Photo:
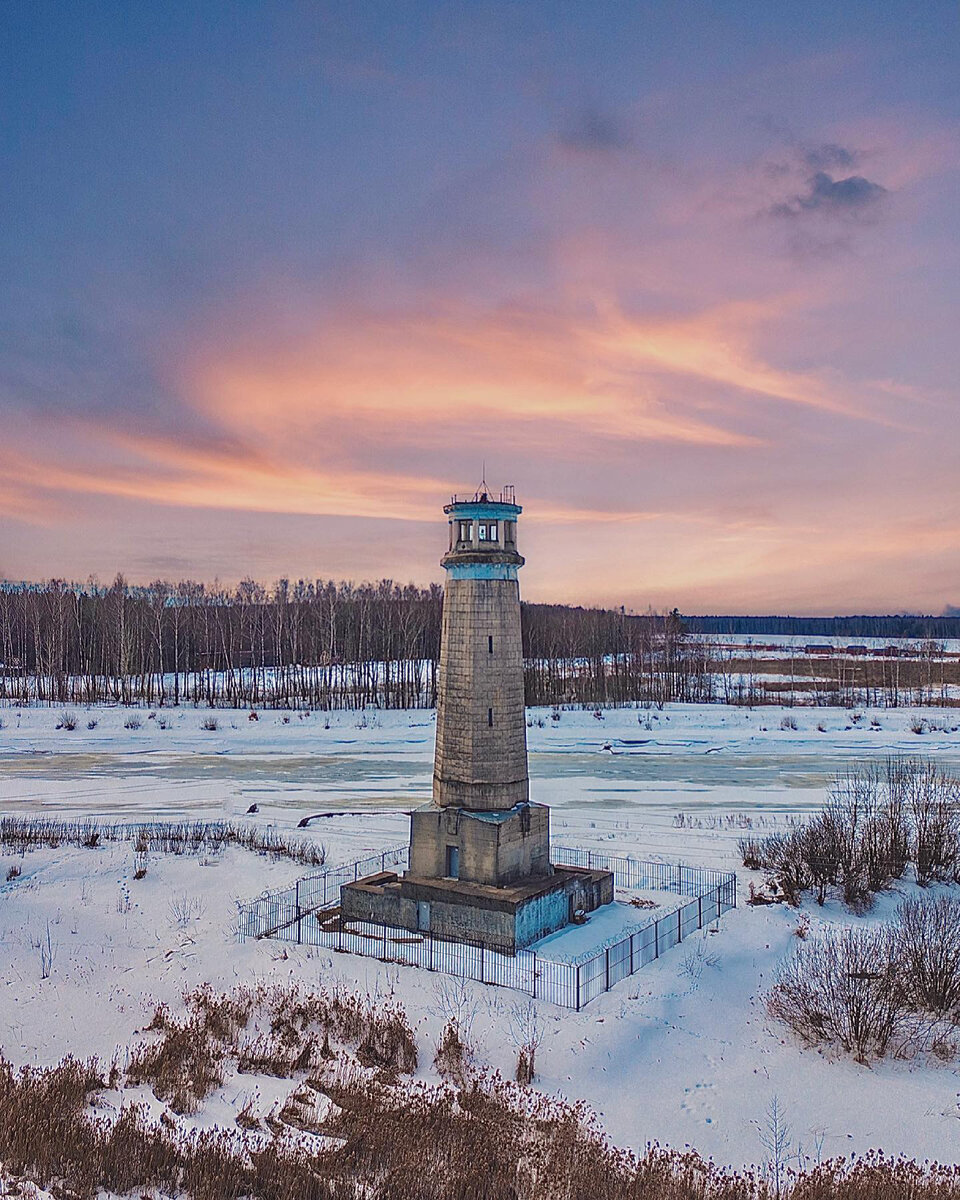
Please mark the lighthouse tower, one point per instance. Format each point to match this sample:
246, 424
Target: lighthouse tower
481, 753
481, 827
479, 866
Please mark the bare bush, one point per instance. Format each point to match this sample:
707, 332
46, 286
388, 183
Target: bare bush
927, 938
184, 910
452, 1059
46, 951
876, 822
933, 799
210, 724
527, 1029
68, 720
895, 988
841, 989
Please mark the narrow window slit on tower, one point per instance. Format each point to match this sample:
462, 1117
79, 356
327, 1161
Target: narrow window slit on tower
490, 643
490, 717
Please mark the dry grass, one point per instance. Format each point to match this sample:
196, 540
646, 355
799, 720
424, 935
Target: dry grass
384, 1135
21, 834
277, 1031
489, 1141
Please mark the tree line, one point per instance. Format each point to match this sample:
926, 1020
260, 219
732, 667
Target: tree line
879, 626
312, 644
323, 644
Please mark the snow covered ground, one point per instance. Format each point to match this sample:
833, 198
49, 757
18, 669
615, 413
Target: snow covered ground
682, 1052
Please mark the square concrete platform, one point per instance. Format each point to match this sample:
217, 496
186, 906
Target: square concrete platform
506, 918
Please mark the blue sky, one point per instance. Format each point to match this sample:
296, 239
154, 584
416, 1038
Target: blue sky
278, 277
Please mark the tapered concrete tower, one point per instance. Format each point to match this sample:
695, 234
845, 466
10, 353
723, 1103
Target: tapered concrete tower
481, 826
480, 867
481, 753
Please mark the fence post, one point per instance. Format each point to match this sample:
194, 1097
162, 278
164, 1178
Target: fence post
631, 953
679, 926
482, 980
700, 912
430, 952
578, 987
606, 969
299, 917
533, 978
656, 939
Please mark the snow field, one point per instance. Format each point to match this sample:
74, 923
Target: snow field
682, 1053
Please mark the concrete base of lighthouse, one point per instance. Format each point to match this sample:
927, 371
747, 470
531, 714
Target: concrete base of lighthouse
479, 877
498, 848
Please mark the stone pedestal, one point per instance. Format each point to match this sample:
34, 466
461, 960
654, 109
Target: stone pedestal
496, 848
505, 919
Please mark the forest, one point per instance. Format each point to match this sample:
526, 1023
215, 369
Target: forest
323, 644
310, 644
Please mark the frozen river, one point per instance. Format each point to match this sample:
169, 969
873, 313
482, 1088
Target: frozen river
637, 773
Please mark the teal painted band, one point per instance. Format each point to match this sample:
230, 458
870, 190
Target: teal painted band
482, 571
484, 511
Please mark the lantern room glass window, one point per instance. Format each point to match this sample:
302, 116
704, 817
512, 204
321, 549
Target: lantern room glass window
488, 531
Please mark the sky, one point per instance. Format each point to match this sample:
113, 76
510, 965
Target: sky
277, 278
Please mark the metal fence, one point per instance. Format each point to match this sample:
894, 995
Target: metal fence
297, 914
282, 913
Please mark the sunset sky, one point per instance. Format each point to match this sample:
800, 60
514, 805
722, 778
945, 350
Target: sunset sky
276, 278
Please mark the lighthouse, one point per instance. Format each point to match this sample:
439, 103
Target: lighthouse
479, 863
481, 827
481, 752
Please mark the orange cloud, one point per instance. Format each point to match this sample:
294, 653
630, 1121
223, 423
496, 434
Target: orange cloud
298, 427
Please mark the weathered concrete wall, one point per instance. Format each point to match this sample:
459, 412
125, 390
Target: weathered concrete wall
480, 765
523, 844
502, 919
377, 899
493, 849
588, 890
540, 916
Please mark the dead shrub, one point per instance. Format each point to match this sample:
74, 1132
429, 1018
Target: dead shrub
927, 937
841, 989
876, 822
452, 1058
